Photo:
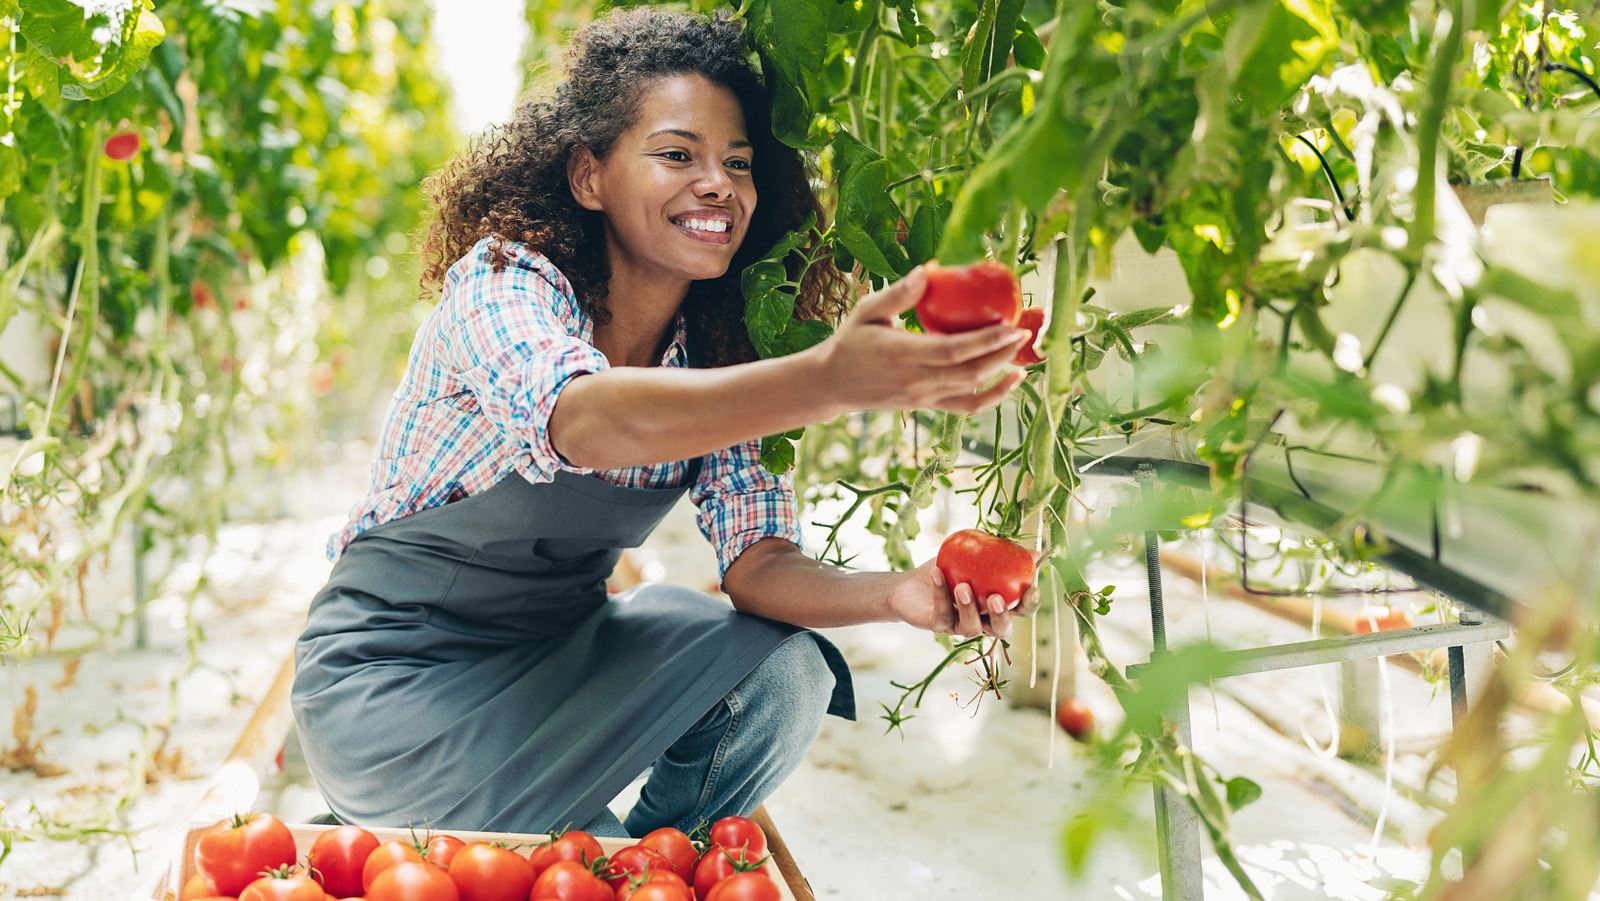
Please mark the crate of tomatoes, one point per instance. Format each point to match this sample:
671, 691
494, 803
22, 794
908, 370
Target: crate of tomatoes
256, 857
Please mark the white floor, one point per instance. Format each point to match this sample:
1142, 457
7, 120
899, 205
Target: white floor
965, 806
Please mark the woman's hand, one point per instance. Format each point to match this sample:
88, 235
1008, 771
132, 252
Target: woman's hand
873, 364
922, 599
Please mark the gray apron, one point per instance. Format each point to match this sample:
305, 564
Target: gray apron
465, 666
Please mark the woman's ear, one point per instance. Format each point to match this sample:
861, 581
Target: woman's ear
582, 176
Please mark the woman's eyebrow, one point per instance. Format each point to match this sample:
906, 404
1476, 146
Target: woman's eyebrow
692, 136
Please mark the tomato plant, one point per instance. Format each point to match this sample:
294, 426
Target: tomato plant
231, 853
337, 857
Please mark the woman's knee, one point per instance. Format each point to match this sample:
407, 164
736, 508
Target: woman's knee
795, 671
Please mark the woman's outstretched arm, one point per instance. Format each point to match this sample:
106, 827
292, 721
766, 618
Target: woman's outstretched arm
630, 416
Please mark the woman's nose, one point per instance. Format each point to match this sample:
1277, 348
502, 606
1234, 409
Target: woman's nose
714, 182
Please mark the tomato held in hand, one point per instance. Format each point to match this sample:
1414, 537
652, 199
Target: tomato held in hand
965, 298
413, 880
284, 884
337, 856
1076, 718
1383, 618
745, 887
232, 853
122, 145
739, 832
676, 847
385, 856
988, 563
1031, 319
568, 880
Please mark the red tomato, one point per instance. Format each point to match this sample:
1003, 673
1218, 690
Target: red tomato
122, 145
385, 856
659, 891
568, 880
988, 563
675, 847
1031, 319
542, 857
484, 872
964, 298
338, 855
739, 832
441, 849
232, 853
1384, 618
718, 864
634, 860
284, 885
655, 877
413, 880
197, 887
578, 846
1076, 718
745, 887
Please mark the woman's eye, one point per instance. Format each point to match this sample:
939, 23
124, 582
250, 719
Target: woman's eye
740, 164
677, 156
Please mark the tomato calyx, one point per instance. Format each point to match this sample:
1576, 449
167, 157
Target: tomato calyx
742, 863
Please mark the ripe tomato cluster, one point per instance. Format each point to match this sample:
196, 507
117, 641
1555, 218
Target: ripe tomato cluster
252, 857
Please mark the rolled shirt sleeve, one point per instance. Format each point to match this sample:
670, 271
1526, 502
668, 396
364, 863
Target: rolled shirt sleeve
515, 343
739, 503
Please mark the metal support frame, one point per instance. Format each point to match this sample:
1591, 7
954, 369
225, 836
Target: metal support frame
1177, 826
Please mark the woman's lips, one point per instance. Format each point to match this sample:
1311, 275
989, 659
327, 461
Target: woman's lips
706, 237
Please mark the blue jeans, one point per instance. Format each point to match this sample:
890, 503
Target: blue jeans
739, 752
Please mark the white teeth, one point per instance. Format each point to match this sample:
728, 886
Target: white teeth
704, 225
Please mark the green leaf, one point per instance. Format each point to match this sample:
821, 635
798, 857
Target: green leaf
769, 293
98, 49
1241, 792
927, 226
11, 166
868, 221
777, 454
799, 335
1026, 47
1278, 48
912, 31
791, 37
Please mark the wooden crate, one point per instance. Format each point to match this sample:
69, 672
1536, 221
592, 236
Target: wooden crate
791, 885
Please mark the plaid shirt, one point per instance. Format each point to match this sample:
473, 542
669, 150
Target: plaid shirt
485, 371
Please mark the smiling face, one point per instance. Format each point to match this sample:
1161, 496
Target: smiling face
675, 189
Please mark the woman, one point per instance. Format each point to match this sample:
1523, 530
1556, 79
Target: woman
586, 365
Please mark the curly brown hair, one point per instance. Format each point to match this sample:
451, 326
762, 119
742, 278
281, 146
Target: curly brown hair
511, 181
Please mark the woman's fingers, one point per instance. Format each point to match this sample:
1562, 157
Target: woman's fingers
969, 620
894, 299
981, 400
